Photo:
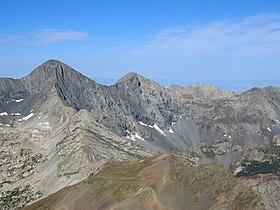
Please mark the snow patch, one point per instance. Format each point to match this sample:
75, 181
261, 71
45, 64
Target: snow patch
170, 130
229, 136
27, 117
3, 114
237, 170
268, 129
135, 136
155, 126
18, 100
173, 123
278, 121
139, 137
141, 123
127, 131
159, 130
15, 114
7, 125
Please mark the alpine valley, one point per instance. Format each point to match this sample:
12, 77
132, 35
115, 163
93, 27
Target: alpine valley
68, 142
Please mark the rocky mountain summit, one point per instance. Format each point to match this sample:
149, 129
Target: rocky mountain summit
57, 127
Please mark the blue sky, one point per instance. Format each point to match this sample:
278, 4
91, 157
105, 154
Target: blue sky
224, 43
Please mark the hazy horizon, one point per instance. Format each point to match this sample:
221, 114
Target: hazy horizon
237, 86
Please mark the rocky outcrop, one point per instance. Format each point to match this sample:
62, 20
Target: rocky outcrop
267, 187
199, 92
45, 156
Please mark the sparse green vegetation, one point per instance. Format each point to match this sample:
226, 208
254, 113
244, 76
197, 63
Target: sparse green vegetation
210, 154
118, 180
18, 197
255, 167
270, 164
208, 151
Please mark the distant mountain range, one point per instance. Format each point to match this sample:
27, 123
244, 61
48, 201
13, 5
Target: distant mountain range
58, 127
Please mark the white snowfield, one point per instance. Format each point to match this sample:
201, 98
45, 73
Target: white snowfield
237, 170
170, 130
27, 117
155, 126
135, 136
15, 114
18, 100
141, 123
159, 130
268, 129
3, 114
229, 136
278, 121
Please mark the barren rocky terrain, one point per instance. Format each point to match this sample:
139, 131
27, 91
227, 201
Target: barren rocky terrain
63, 133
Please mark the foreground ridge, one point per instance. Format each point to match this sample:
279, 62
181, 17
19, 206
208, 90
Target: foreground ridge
161, 182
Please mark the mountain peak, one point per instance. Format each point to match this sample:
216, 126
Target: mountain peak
49, 70
137, 79
53, 62
52, 65
130, 76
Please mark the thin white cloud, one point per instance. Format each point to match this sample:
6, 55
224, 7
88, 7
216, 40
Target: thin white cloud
49, 35
10, 38
259, 34
45, 36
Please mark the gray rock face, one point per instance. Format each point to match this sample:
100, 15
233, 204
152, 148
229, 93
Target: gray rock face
268, 188
44, 155
200, 92
67, 126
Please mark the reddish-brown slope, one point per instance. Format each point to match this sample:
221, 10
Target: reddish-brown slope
161, 182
